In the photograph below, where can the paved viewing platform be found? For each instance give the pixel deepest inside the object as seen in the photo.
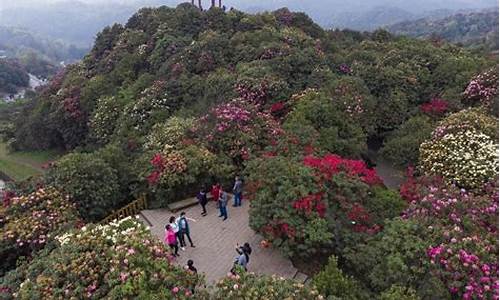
(215, 242)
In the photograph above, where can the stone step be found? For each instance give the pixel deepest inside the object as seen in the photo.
(300, 277)
(176, 206)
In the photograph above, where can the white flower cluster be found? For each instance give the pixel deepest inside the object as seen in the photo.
(468, 158)
(165, 136)
(104, 119)
(145, 106)
(114, 231)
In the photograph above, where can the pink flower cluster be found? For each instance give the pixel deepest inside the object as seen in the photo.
(464, 227)
(483, 88)
(345, 69)
(271, 53)
(231, 114)
(253, 94)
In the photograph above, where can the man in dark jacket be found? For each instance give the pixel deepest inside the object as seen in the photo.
(202, 200)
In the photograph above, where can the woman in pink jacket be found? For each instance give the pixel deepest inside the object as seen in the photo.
(171, 239)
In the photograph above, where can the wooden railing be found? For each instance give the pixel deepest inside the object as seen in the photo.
(131, 209)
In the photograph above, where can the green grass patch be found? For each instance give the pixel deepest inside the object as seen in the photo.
(23, 164)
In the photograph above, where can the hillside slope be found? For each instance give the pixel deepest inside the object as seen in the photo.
(205, 58)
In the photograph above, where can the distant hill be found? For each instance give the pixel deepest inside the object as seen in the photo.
(17, 41)
(40, 56)
(475, 30)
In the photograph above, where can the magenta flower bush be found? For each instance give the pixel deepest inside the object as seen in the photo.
(463, 228)
(483, 88)
(238, 129)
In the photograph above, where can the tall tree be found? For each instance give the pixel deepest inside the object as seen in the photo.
(213, 4)
(220, 3)
(199, 5)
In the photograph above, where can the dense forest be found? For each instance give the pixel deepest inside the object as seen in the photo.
(178, 98)
(475, 30)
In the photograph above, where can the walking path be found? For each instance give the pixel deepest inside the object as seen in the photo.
(215, 242)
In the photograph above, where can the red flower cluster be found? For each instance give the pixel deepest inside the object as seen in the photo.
(7, 196)
(310, 202)
(436, 107)
(332, 164)
(158, 164)
(279, 229)
(361, 219)
(409, 190)
(277, 107)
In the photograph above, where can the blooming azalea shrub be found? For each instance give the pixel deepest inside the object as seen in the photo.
(153, 104)
(460, 152)
(261, 91)
(301, 205)
(464, 231)
(445, 244)
(104, 119)
(352, 95)
(174, 174)
(436, 107)
(90, 181)
(249, 286)
(29, 222)
(237, 129)
(169, 135)
(121, 260)
(473, 119)
(483, 88)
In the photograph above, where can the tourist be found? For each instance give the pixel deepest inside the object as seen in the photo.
(184, 230)
(223, 204)
(245, 248)
(237, 191)
(191, 269)
(215, 191)
(242, 259)
(175, 227)
(171, 239)
(202, 200)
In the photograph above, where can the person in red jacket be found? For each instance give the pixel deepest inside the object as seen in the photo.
(215, 192)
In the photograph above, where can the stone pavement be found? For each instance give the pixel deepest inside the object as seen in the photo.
(215, 242)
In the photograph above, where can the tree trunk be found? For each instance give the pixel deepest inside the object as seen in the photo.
(220, 3)
(199, 5)
(192, 2)
(213, 4)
